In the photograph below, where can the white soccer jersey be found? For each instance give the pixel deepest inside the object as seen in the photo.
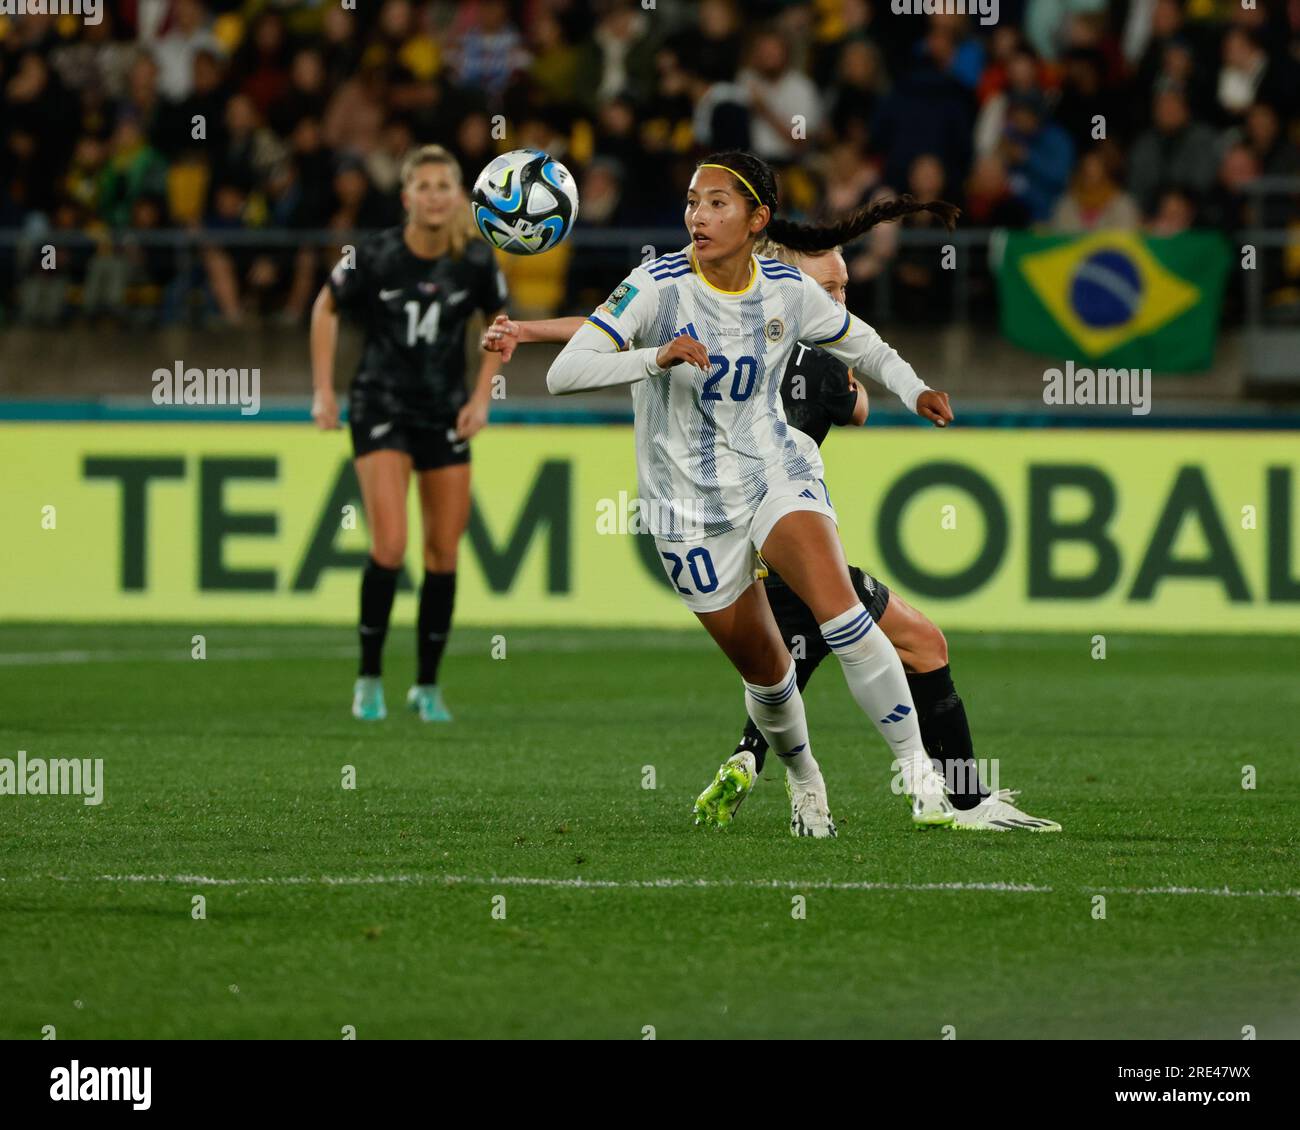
(710, 444)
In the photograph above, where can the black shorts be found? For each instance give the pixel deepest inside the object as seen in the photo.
(795, 619)
(429, 447)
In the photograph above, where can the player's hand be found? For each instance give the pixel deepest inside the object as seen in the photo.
(934, 407)
(472, 419)
(501, 337)
(683, 348)
(325, 411)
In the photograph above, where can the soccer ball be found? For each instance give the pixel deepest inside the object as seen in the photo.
(524, 202)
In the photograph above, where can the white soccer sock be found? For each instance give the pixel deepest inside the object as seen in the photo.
(778, 713)
(877, 682)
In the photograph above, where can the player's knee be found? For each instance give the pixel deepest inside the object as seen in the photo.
(389, 551)
(439, 558)
(933, 647)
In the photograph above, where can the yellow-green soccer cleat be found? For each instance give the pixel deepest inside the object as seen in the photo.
(426, 701)
(368, 700)
(996, 813)
(734, 782)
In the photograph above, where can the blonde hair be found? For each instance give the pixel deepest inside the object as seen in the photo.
(770, 249)
(461, 227)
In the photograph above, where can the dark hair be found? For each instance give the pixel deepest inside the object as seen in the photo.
(812, 238)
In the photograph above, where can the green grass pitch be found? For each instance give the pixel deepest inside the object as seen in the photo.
(373, 907)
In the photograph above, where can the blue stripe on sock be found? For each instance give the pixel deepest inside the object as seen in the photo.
(855, 631)
(845, 630)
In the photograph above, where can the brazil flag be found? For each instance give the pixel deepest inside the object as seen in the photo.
(1115, 298)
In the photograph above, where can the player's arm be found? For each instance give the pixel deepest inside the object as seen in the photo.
(504, 335)
(601, 354)
(849, 338)
(324, 339)
(861, 406)
(473, 416)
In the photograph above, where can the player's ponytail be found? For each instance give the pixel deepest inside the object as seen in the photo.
(460, 227)
(756, 182)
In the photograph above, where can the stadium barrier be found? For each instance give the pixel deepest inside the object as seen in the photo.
(1000, 529)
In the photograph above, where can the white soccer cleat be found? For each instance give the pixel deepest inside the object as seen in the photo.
(931, 807)
(809, 813)
(996, 813)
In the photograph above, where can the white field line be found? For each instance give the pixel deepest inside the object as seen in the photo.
(638, 884)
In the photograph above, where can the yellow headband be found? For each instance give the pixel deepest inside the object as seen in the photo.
(709, 165)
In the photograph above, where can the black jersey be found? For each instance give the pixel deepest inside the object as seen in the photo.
(816, 392)
(413, 313)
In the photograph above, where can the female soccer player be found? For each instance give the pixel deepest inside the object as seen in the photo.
(703, 337)
(818, 391)
(413, 289)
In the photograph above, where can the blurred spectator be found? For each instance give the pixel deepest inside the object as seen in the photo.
(384, 164)
(1228, 206)
(252, 153)
(134, 169)
(555, 62)
(175, 49)
(1046, 22)
(1248, 75)
(619, 56)
(721, 119)
(850, 177)
(342, 45)
(206, 105)
(1176, 151)
(1095, 201)
(1038, 155)
(923, 290)
(1085, 98)
(37, 147)
(473, 144)
(860, 82)
(306, 95)
(43, 293)
(1262, 132)
(779, 97)
(261, 65)
(990, 203)
(714, 46)
(488, 50)
(1023, 75)
(1174, 212)
(928, 111)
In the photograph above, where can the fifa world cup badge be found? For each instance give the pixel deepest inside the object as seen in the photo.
(617, 302)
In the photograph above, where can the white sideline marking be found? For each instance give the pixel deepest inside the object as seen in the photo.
(640, 884)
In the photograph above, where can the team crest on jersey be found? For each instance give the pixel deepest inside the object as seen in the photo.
(774, 330)
(617, 302)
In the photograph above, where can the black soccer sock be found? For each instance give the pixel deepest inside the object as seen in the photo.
(945, 734)
(377, 588)
(752, 739)
(437, 597)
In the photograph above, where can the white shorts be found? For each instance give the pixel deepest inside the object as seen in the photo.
(712, 573)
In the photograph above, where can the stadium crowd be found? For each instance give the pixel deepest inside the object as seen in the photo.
(239, 121)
